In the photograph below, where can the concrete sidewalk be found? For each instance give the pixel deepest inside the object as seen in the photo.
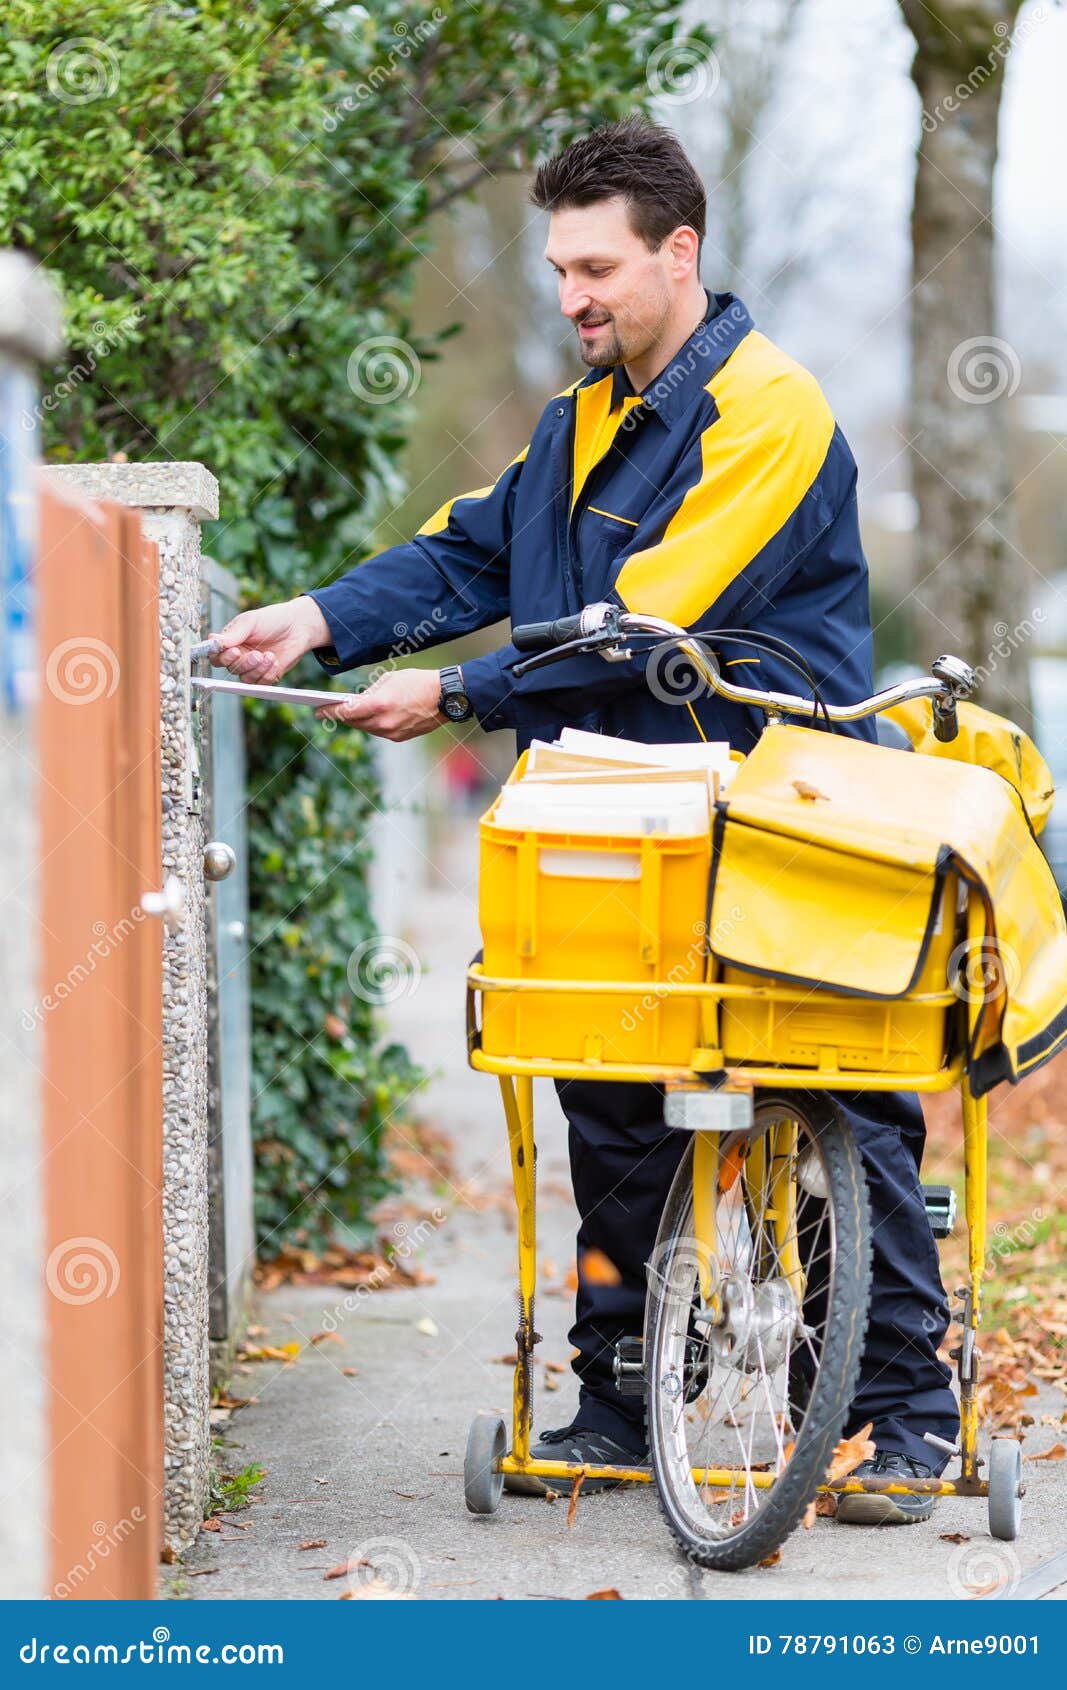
(371, 1463)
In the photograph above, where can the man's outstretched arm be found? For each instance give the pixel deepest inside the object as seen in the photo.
(450, 579)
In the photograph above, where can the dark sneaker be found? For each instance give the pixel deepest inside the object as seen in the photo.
(869, 1508)
(577, 1444)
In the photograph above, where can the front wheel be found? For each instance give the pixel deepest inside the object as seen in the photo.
(751, 1373)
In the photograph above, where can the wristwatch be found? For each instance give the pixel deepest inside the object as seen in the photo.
(453, 701)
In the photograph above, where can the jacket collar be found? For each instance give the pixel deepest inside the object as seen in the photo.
(672, 392)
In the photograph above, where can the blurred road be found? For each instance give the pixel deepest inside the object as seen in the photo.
(372, 1463)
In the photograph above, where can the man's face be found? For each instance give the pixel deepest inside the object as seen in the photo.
(615, 291)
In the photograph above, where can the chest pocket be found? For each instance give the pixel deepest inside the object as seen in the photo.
(602, 537)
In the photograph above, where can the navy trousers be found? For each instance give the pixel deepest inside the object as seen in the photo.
(622, 1162)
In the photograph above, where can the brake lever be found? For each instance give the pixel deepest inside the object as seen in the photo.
(573, 648)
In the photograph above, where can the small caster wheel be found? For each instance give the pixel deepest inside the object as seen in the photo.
(1005, 1499)
(483, 1483)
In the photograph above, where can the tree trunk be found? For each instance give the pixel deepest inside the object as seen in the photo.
(973, 590)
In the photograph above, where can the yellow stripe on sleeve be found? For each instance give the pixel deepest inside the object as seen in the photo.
(439, 519)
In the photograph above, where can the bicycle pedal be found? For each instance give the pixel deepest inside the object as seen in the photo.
(628, 1367)
(940, 1203)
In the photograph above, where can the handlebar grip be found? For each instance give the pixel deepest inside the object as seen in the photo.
(542, 636)
(946, 722)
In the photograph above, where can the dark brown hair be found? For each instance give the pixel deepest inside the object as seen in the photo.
(638, 159)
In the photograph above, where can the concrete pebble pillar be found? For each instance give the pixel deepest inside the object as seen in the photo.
(174, 499)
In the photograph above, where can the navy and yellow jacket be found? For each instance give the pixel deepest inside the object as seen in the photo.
(724, 495)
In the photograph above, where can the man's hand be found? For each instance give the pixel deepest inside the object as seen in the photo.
(400, 705)
(261, 645)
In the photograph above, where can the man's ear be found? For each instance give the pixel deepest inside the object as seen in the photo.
(684, 251)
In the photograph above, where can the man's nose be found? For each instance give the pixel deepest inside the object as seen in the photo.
(575, 302)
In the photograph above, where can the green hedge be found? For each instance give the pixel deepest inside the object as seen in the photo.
(232, 195)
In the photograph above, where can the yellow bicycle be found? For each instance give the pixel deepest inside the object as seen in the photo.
(868, 919)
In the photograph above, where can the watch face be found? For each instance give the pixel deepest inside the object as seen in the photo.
(456, 706)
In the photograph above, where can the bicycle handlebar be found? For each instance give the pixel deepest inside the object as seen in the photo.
(604, 628)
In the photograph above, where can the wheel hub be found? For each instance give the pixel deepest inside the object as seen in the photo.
(758, 1325)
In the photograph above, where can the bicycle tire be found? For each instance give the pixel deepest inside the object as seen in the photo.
(822, 1418)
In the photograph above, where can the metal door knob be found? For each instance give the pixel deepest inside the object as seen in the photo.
(220, 859)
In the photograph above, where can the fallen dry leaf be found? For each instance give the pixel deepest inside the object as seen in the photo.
(611, 1595)
(849, 1453)
(270, 1352)
(376, 1590)
(772, 1559)
(314, 1543)
(597, 1269)
(326, 1338)
(211, 1525)
(811, 1514)
(1056, 1453)
(825, 1506)
(806, 790)
(344, 1568)
(551, 1383)
(350, 1372)
(954, 1537)
(572, 1506)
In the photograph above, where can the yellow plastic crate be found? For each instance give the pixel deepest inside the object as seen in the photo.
(612, 907)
